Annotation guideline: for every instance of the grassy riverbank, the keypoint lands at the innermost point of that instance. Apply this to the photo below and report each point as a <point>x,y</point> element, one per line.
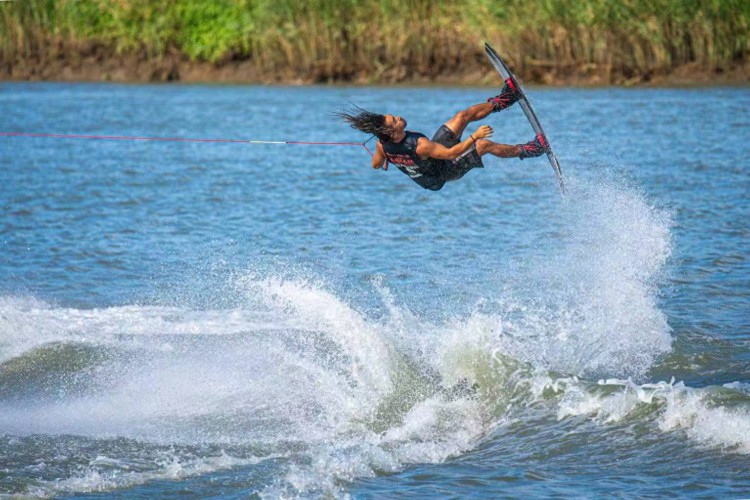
<point>548,41</point>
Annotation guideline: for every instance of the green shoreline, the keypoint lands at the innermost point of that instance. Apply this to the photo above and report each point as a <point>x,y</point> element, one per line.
<point>560,42</point>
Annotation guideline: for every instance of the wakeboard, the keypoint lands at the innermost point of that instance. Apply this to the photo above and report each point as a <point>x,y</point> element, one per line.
<point>523,101</point>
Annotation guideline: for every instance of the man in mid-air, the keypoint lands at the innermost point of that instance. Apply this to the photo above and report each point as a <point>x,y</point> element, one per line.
<point>432,163</point>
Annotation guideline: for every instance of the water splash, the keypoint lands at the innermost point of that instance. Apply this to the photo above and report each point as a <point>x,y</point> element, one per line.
<point>294,370</point>
<point>591,307</point>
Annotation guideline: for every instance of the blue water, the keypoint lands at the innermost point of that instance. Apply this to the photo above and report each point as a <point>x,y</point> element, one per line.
<point>193,319</point>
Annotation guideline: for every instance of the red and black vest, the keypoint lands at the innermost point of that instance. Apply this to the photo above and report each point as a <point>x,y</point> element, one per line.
<point>427,172</point>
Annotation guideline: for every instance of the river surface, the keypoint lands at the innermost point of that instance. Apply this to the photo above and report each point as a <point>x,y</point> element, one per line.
<point>181,320</point>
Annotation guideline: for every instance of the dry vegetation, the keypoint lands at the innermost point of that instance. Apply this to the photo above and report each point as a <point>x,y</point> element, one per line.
<point>548,41</point>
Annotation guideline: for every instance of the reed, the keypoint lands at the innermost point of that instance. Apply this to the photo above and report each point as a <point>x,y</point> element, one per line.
<point>391,40</point>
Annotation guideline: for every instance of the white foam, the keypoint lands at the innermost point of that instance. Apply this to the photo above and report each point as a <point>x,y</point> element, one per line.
<point>710,425</point>
<point>315,378</point>
<point>579,400</point>
<point>429,433</point>
<point>680,408</point>
<point>743,387</point>
<point>98,477</point>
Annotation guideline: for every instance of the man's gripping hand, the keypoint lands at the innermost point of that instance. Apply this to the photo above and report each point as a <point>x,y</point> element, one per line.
<point>482,132</point>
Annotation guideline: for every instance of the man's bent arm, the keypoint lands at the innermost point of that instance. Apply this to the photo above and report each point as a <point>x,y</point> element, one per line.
<point>426,147</point>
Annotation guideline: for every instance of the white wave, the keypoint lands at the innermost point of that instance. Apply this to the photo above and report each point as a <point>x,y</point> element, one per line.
<point>429,433</point>
<point>295,363</point>
<point>680,409</point>
<point>100,476</point>
<point>362,341</point>
<point>743,387</point>
<point>317,379</point>
<point>710,425</point>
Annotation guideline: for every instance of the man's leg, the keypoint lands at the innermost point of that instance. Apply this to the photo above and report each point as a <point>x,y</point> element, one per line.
<point>507,96</point>
<point>458,123</point>
<point>485,146</point>
<point>536,147</point>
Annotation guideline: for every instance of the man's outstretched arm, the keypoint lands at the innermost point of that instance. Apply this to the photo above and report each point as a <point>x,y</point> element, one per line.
<point>426,147</point>
<point>379,157</point>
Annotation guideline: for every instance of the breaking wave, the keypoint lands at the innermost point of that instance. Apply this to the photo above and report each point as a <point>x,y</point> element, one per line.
<point>299,377</point>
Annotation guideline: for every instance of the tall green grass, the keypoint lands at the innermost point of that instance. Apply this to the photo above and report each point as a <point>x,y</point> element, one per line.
<point>391,39</point>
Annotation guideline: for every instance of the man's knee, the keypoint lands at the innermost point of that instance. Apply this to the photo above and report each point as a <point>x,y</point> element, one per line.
<point>482,146</point>
<point>462,116</point>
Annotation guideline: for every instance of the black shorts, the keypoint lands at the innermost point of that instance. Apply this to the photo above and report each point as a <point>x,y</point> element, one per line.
<point>455,169</point>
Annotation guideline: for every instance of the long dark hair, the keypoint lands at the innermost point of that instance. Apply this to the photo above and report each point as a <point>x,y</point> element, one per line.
<point>365,121</point>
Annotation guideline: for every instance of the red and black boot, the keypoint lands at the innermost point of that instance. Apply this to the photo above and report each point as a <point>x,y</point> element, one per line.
<point>534,148</point>
<point>507,96</point>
